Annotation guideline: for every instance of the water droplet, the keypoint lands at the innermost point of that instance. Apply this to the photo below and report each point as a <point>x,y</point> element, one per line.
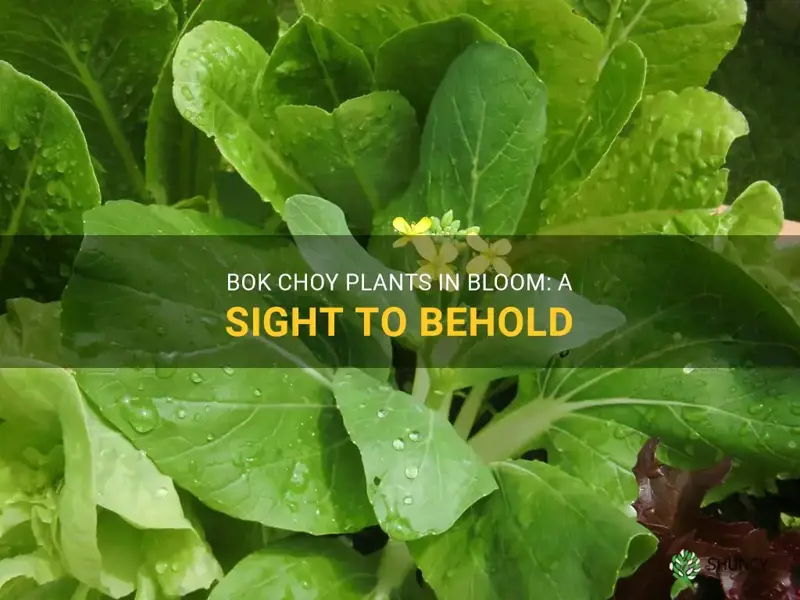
<point>398,444</point>
<point>187,93</point>
<point>382,413</point>
<point>792,445</point>
<point>227,370</point>
<point>195,377</point>
<point>161,568</point>
<point>755,408</point>
<point>412,472</point>
<point>688,369</point>
<point>140,413</point>
<point>12,141</point>
<point>414,436</point>
<point>210,437</point>
<point>162,492</point>
<point>165,365</point>
<point>257,393</point>
<point>408,500</point>
<point>181,414</point>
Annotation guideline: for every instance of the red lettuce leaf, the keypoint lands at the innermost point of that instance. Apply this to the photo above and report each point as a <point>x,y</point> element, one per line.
<point>748,564</point>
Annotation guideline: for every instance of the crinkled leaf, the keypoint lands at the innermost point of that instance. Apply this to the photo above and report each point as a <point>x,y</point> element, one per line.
<point>483,139</point>
<point>359,156</point>
<point>400,66</point>
<point>180,161</point>
<point>421,476</point>
<point>543,534</point>
<point>684,41</point>
<point>104,60</point>
<point>315,66</point>
<point>671,161</point>
<point>216,81</point>
<point>569,161</point>
<point>103,470</point>
<point>46,169</point>
<point>669,504</point>
<point>303,567</point>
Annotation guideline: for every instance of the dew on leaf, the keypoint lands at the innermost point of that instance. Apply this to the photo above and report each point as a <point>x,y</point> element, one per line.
<point>227,370</point>
<point>140,414</point>
<point>196,378</point>
<point>181,414</point>
<point>412,472</point>
<point>408,500</point>
<point>414,436</point>
<point>382,413</point>
<point>398,444</point>
<point>688,369</point>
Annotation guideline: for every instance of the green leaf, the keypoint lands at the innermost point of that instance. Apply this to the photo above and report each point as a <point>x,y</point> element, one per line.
<point>31,330</point>
<point>216,88</point>
<point>328,247</point>
<point>684,41</point>
<point>544,534</point>
<point>263,445</point>
<point>38,566</point>
<point>690,367</point>
<point>104,60</point>
<point>421,476</point>
<point>180,162</point>
<point>314,66</point>
<point>111,491</point>
<point>360,156</point>
<point>483,139</point>
<point>570,160</point>
<point>303,566</point>
<point>488,357</point>
<point>670,162</point>
<point>46,169</point>
<point>369,23</point>
<point>564,49</point>
<point>400,65</point>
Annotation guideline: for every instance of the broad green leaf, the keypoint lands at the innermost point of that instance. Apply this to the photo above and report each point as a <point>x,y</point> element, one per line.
<point>684,41</point>
<point>104,60</point>
<point>671,161</point>
<point>313,66</point>
<point>570,160</point>
<point>263,445</point>
<point>205,428</point>
<point>491,357</point>
<point>543,534</point>
<point>26,589</point>
<point>692,366</point>
<point>358,157</point>
<point>216,88</point>
<point>47,173</point>
<point>421,476</point>
<point>400,66</point>
<point>369,23</point>
<point>180,162</point>
<point>565,50</point>
<point>302,567</point>
<point>326,244</point>
<point>483,139</point>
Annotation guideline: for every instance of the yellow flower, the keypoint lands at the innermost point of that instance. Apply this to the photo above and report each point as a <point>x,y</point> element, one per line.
<point>490,255</point>
<point>410,230</point>
<point>437,261</point>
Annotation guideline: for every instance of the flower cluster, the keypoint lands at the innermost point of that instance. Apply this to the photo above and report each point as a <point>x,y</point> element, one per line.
<point>438,242</point>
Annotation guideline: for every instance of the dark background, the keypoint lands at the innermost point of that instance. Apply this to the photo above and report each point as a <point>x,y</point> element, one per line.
<point>761,77</point>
